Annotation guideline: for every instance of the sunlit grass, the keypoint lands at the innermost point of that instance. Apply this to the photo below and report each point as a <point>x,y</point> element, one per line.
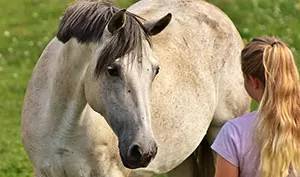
<point>255,18</point>
<point>26,26</point>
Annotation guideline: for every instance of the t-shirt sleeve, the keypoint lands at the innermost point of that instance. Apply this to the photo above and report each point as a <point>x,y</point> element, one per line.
<point>226,144</point>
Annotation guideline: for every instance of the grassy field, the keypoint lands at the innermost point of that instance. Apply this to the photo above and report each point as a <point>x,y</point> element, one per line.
<point>26,26</point>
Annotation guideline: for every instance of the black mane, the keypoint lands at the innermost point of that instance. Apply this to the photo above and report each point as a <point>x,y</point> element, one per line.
<point>86,21</point>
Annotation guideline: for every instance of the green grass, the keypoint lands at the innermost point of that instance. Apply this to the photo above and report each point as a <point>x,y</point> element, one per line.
<point>265,17</point>
<point>26,26</point>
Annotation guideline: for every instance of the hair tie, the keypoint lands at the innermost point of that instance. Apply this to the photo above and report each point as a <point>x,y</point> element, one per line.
<point>276,42</point>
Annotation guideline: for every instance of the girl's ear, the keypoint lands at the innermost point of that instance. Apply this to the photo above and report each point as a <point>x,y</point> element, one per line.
<point>254,82</point>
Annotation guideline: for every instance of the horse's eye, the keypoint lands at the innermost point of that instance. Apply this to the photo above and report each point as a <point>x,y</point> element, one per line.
<point>113,71</point>
<point>157,70</point>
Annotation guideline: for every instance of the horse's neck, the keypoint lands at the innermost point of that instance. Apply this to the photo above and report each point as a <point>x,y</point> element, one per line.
<point>66,84</point>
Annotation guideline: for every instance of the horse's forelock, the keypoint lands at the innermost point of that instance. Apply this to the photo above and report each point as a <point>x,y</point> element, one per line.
<point>86,21</point>
<point>128,40</point>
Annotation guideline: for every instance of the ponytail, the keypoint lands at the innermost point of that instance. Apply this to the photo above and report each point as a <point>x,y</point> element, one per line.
<point>277,132</point>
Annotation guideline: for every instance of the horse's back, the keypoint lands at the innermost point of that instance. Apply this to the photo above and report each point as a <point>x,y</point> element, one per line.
<point>200,71</point>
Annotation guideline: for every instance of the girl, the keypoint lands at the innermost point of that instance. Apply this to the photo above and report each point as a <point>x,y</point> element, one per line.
<point>265,143</point>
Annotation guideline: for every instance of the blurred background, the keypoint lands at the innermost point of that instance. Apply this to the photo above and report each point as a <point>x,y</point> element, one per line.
<point>26,26</point>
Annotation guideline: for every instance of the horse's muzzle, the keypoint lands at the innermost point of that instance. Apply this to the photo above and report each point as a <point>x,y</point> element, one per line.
<point>138,156</point>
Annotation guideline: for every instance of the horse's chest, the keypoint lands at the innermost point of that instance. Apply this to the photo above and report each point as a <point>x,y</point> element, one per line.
<point>66,163</point>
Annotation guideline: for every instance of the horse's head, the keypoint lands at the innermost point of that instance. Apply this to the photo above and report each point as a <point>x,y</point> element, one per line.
<point>120,73</point>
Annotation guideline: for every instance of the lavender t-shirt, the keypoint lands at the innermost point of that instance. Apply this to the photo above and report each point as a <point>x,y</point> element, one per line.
<point>234,144</point>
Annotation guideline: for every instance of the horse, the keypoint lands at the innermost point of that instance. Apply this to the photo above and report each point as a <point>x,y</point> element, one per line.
<point>101,60</point>
<point>116,95</point>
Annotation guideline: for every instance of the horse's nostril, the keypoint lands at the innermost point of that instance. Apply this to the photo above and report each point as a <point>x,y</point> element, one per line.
<point>140,156</point>
<point>135,152</point>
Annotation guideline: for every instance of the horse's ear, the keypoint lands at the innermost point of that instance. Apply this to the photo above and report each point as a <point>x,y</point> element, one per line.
<point>155,27</point>
<point>117,22</point>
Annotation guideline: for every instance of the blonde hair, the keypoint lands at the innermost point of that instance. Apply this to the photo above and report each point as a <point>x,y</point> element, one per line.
<point>277,132</point>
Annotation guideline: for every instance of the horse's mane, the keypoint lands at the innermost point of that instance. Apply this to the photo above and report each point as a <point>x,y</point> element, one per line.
<point>86,21</point>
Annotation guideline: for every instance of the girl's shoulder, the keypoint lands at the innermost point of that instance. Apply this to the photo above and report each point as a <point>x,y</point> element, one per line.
<point>240,128</point>
<point>234,138</point>
<point>244,121</point>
